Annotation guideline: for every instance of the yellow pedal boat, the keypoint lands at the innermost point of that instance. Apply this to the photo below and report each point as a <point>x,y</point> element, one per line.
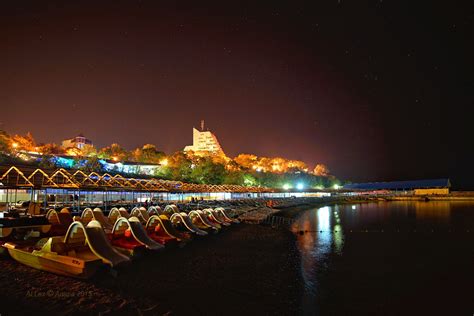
<point>79,254</point>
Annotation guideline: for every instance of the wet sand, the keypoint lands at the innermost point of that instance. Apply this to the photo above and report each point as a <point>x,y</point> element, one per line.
<point>246,269</point>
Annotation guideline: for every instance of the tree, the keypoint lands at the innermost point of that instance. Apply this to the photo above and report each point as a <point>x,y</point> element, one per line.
<point>178,167</point>
<point>51,150</point>
<point>89,150</point>
<point>148,154</point>
<point>5,141</point>
<point>249,180</point>
<point>321,170</point>
<point>247,161</point>
<point>208,172</point>
<point>115,152</point>
<point>23,142</point>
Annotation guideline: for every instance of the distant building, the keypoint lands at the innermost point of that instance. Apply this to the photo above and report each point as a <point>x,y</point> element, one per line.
<point>78,142</point>
<point>205,142</point>
<point>416,187</point>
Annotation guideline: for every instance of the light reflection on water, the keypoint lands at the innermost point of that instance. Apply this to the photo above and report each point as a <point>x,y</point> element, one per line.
<point>316,239</point>
<point>322,233</point>
<point>319,233</point>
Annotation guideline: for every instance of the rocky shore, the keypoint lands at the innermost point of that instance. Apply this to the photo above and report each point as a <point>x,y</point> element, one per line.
<point>246,269</point>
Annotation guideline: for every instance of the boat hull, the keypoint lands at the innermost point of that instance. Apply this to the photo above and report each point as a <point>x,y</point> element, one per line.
<point>62,265</point>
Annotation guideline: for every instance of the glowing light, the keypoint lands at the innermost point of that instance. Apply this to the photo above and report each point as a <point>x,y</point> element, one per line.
<point>15,145</point>
<point>164,162</point>
<point>286,186</point>
<point>353,207</point>
<point>71,152</point>
<point>300,186</point>
<point>336,187</point>
<point>114,158</point>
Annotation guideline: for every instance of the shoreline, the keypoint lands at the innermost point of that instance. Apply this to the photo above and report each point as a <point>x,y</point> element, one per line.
<point>288,209</point>
<point>232,272</point>
<point>251,269</point>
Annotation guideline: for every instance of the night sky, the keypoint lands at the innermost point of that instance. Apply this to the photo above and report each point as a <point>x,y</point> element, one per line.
<point>376,90</point>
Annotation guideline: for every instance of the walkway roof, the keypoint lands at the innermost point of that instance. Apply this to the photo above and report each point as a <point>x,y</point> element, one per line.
<point>13,177</point>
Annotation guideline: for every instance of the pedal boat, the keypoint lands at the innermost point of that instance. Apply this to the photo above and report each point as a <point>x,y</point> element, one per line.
<point>96,214</point>
<point>198,219</point>
<point>211,217</point>
<point>222,211</point>
<point>140,213</point>
<point>170,209</point>
<point>116,213</point>
<point>154,210</point>
<point>220,217</point>
<point>60,221</point>
<point>160,230</point>
<point>130,237</point>
<point>170,229</point>
<point>183,223</point>
<point>79,254</point>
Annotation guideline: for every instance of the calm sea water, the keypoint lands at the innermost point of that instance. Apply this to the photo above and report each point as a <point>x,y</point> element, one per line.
<point>388,258</point>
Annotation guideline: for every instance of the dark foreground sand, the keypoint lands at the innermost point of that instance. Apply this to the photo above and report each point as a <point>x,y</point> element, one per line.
<point>247,269</point>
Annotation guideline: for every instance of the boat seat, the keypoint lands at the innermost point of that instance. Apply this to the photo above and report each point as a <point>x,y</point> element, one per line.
<point>53,244</point>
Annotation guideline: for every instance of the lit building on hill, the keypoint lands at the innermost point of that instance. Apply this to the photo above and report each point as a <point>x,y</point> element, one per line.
<point>79,142</point>
<point>204,142</point>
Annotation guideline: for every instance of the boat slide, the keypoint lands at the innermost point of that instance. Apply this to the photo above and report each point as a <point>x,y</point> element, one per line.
<point>140,213</point>
<point>137,231</point>
<point>201,220</point>
<point>154,210</point>
<point>170,209</point>
<point>59,221</point>
<point>171,229</point>
<point>219,216</point>
<point>156,222</point>
<point>116,213</point>
<point>123,211</point>
<point>222,211</point>
<point>157,231</point>
<point>96,214</point>
<point>183,219</point>
<point>94,237</point>
<point>211,216</point>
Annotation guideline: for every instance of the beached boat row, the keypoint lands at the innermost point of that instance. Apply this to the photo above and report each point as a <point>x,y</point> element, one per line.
<point>78,246</point>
